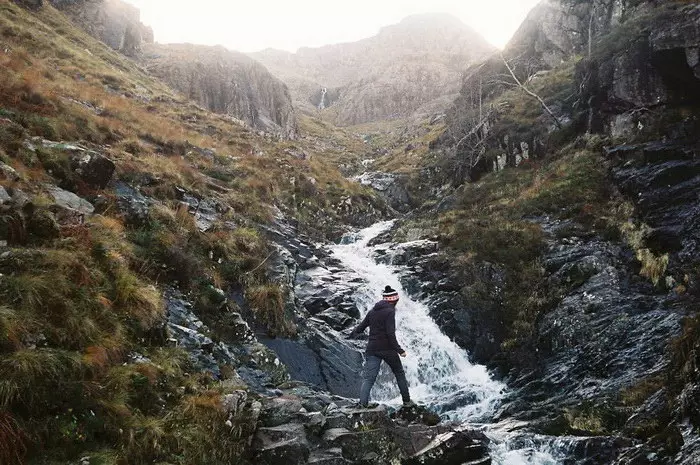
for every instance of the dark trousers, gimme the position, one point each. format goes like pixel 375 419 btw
pixel 369 376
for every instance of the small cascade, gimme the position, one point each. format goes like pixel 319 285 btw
pixel 322 103
pixel 439 372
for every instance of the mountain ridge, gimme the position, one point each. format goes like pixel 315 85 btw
pixel 368 80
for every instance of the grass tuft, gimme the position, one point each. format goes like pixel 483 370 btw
pixel 268 304
pixel 13 447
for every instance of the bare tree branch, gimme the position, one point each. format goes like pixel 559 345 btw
pixel 525 89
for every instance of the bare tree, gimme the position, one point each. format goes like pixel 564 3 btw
pixel 472 129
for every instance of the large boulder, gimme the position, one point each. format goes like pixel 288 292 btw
pixel 95 169
pixel 70 201
pixel 391 187
pixel 453 448
pixel 285 444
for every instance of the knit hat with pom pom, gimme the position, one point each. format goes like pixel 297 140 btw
pixel 390 295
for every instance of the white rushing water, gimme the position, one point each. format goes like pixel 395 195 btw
pixel 440 375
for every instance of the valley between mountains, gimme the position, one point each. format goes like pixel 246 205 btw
pixel 188 235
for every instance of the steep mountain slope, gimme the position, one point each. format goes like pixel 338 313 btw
pixel 225 82
pixel 411 66
pixel 125 209
pixel 222 81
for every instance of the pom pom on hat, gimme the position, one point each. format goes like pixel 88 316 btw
pixel 390 295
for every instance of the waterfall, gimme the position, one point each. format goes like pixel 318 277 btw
pixel 322 104
pixel 439 373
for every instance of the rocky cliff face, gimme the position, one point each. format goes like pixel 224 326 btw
pixel 114 22
pixel 619 68
pixel 225 82
pixel 415 65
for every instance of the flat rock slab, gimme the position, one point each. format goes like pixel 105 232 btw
pixel 328 457
pixel 290 452
pixel 354 419
pixel 452 448
pixel 71 201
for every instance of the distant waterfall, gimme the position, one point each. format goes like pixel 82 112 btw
pixel 439 372
pixel 322 104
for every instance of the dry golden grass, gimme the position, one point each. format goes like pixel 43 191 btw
pixel 267 302
pixel 91 294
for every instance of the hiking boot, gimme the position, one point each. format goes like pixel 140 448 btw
pixel 409 404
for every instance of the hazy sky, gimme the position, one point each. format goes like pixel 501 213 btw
pixel 252 25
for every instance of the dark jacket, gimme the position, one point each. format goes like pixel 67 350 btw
pixel 382 329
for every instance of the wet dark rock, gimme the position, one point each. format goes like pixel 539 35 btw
pixel 453 448
pixel 321 297
pixel 663 180
pixel 333 456
pixel 408 253
pixel 95 169
pixel 372 445
pixel 302 361
pixel 337 320
pixel 391 186
pixel 650 415
pixel 316 305
pixel 339 361
pixel 256 364
pixel 280 410
pixel 284 444
pixel 416 414
pixel 456 301
pixel 609 331
pixel 359 418
pixel 342 434
pixel 134 206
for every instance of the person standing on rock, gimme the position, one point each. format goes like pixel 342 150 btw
pixel 382 346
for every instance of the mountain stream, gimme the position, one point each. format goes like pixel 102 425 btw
pixel 439 372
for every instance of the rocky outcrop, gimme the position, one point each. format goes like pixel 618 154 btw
pixel 413 66
pixel 663 180
pixel 644 88
pixel 303 425
pixel 608 333
pixel 637 81
pixel 321 300
pixel 114 22
pixel 225 82
pixel 391 186
pixel 556 30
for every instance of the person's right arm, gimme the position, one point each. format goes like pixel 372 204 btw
pixel 361 327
